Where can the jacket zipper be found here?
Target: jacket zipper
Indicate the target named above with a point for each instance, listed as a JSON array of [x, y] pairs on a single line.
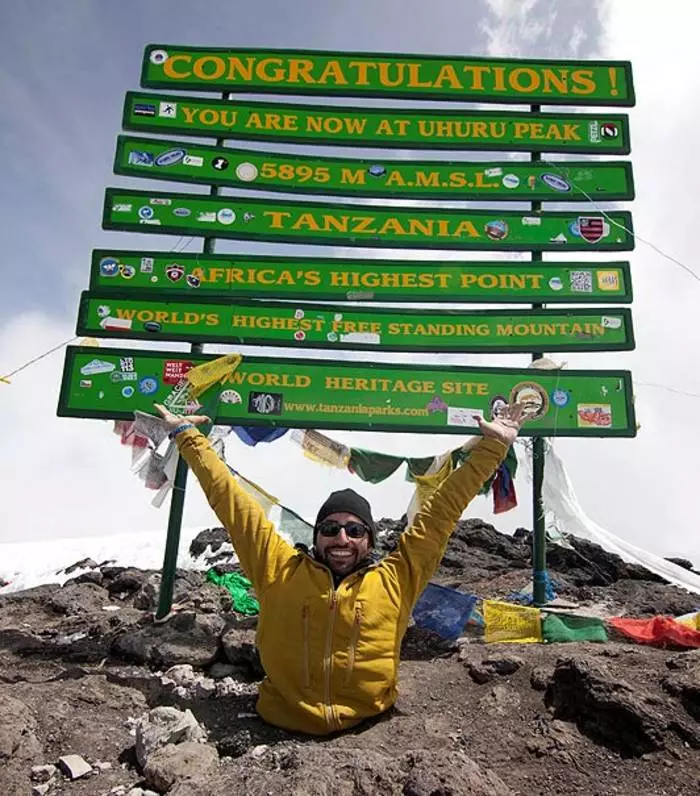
[[328, 663], [353, 644], [307, 668]]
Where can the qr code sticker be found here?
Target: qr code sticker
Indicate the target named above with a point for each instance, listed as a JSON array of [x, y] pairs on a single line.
[[582, 281]]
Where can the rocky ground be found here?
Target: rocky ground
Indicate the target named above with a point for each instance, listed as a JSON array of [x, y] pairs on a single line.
[[97, 699]]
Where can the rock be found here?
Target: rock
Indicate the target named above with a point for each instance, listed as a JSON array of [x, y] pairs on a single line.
[[540, 677], [681, 562], [241, 650], [43, 773], [604, 707], [483, 671], [162, 726], [205, 688], [77, 599], [171, 763], [128, 581], [187, 637], [74, 766], [40, 790], [212, 538], [217, 671], [91, 576], [182, 674], [430, 772], [84, 563], [17, 730], [102, 766]]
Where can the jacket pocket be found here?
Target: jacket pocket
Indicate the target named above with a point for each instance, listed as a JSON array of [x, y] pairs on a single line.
[[305, 654], [354, 639]]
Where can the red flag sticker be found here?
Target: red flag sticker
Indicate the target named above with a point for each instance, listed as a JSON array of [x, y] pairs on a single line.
[[592, 228], [174, 371]]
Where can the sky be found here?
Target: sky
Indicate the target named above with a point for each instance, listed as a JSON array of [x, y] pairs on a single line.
[[64, 69]]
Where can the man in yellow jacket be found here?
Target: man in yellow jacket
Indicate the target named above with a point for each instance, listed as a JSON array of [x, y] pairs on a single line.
[[331, 622]]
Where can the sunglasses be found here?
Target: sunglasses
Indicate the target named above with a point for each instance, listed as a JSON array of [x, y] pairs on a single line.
[[353, 530]]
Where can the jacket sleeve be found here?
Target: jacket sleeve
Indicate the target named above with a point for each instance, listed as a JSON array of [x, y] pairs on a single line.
[[422, 546], [260, 549]]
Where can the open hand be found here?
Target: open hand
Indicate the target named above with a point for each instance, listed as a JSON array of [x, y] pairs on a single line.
[[173, 421], [505, 425]]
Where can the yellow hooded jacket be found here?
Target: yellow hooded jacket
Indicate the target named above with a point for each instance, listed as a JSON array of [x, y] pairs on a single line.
[[331, 656]]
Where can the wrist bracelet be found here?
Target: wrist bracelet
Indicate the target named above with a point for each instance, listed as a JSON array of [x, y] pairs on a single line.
[[179, 429]]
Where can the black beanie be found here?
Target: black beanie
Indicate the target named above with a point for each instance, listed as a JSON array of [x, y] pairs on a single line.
[[349, 501]]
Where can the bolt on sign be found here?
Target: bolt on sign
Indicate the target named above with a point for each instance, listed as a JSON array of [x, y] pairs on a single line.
[[270, 171], [323, 326], [411, 128], [295, 393], [525, 81], [364, 225], [334, 279]]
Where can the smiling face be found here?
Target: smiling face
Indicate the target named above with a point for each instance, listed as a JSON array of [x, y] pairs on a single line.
[[340, 553]]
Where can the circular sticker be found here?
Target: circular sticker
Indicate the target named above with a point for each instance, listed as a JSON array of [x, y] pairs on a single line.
[[556, 183], [496, 230], [171, 157], [555, 283], [109, 266], [154, 279], [158, 57], [127, 271], [226, 216], [560, 397], [146, 212], [376, 170], [332, 337], [127, 391], [103, 311], [193, 280], [608, 130], [148, 385], [152, 326], [574, 229], [510, 180], [338, 316], [298, 314], [220, 164], [299, 335], [533, 397], [496, 405], [247, 172], [230, 397]]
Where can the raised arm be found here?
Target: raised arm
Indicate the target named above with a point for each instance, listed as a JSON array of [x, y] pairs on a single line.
[[260, 549], [423, 544]]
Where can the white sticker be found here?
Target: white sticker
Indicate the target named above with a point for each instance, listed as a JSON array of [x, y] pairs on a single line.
[[97, 366], [611, 323], [192, 160], [230, 397], [463, 416], [361, 337], [246, 172], [497, 172], [226, 216], [511, 181], [149, 221], [532, 221], [208, 217], [122, 208], [110, 324], [298, 314], [167, 109], [560, 238]]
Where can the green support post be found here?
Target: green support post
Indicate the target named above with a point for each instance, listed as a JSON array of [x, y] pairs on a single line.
[[177, 502], [539, 537]]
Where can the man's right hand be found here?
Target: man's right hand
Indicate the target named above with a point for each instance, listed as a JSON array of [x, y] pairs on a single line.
[[173, 421]]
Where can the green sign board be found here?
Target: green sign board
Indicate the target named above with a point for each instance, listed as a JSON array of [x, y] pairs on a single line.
[[296, 393], [321, 326], [335, 279], [445, 77], [409, 128], [364, 225], [270, 171]]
